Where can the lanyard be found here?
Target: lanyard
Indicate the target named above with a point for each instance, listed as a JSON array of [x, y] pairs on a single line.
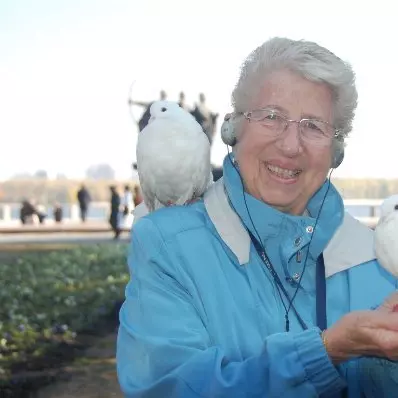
[[321, 319], [320, 287]]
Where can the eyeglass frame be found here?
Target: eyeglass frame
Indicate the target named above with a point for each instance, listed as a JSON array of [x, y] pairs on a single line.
[[338, 134]]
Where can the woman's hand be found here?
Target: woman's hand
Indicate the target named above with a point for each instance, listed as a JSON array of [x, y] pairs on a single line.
[[390, 304], [364, 333]]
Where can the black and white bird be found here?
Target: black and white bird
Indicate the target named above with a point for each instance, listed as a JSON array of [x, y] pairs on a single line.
[[173, 157], [386, 235]]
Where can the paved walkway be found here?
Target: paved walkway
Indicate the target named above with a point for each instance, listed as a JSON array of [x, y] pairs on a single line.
[[16, 242], [89, 226], [16, 234]]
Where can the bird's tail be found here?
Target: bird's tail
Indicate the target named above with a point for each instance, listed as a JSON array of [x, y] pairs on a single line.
[[157, 204], [210, 181]]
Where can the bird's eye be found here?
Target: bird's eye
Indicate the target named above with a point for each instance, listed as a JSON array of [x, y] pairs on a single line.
[[164, 109], [396, 207]]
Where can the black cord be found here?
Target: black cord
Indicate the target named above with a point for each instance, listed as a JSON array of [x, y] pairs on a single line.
[[255, 229], [287, 309], [309, 244]]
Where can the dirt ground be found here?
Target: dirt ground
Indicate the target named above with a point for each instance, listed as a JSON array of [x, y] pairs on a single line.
[[91, 376]]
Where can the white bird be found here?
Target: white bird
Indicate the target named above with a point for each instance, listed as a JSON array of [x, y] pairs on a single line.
[[173, 157], [386, 235]]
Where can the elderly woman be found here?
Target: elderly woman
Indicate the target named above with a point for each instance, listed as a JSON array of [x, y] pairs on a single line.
[[266, 288]]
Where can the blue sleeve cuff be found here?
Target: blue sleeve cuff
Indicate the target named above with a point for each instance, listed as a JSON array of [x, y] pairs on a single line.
[[319, 368]]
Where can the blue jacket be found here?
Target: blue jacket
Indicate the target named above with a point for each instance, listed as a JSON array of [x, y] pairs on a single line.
[[201, 320]]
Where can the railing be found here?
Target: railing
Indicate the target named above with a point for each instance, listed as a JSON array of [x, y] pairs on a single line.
[[367, 210], [364, 207], [97, 211]]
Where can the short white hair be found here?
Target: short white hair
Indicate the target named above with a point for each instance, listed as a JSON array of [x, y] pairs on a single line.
[[307, 59]]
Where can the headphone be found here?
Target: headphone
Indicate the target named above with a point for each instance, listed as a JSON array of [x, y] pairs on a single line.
[[228, 136]]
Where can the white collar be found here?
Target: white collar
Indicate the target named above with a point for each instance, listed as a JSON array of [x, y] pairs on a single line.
[[351, 245]]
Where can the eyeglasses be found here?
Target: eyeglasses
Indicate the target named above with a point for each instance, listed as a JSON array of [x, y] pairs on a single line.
[[316, 132]]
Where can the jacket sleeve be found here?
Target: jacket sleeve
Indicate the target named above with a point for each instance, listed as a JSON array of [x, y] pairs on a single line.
[[164, 349]]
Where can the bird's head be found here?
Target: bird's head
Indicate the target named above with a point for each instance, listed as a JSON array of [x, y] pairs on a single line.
[[166, 110], [389, 207], [169, 116]]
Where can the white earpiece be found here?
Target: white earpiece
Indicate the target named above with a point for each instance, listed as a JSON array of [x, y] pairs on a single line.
[[227, 131]]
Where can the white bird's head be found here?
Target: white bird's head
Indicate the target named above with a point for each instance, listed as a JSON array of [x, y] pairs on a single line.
[[167, 110], [168, 116], [389, 207]]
